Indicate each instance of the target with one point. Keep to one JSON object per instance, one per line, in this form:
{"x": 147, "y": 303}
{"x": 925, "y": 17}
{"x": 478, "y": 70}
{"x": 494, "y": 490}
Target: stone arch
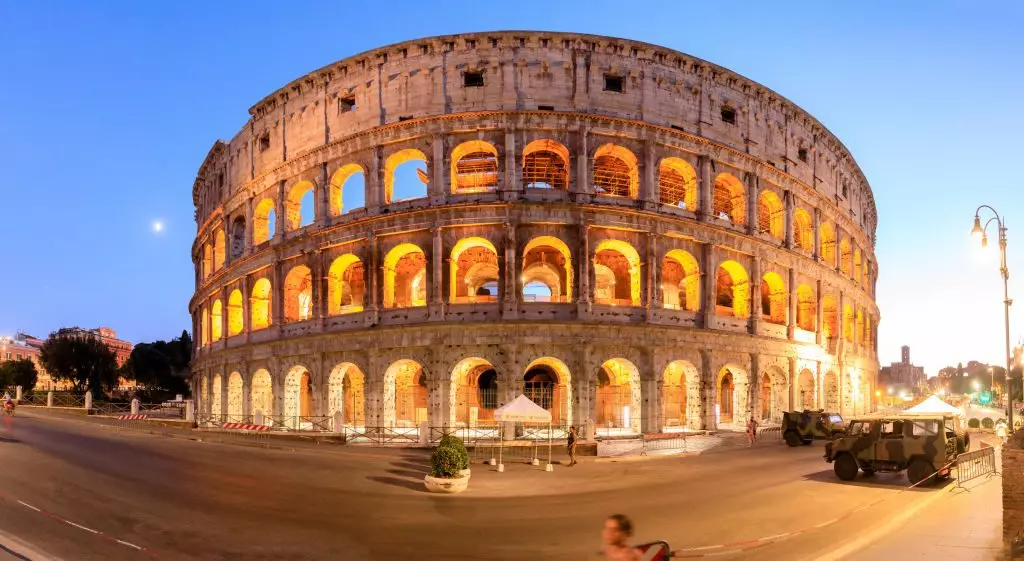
{"x": 774, "y": 298}
{"x": 829, "y": 317}
{"x": 204, "y": 326}
{"x": 343, "y": 182}
{"x": 207, "y": 264}
{"x": 617, "y": 403}
{"x": 298, "y": 397}
{"x": 546, "y": 165}
{"x": 235, "y": 397}
{"x": 346, "y": 394}
{"x": 857, "y": 266}
{"x": 848, "y": 323}
{"x": 620, "y": 286}
{"x": 830, "y": 387}
{"x": 405, "y": 283}
{"x": 474, "y": 167}
{"x": 806, "y": 308}
{"x": 828, "y": 243}
{"x": 218, "y": 249}
{"x": 803, "y": 230}
{"x": 405, "y": 399}
{"x": 346, "y": 285}
{"x": 731, "y": 391}
{"x": 732, "y": 290}
{"x": 237, "y": 237}
{"x": 547, "y": 381}
{"x": 680, "y": 281}
{"x": 204, "y": 393}
{"x": 616, "y": 172}
{"x": 264, "y": 221}
{"x": 860, "y": 326}
{"x": 771, "y": 215}
{"x": 729, "y": 200}
{"x": 392, "y": 164}
{"x": 772, "y": 394}
{"x": 547, "y": 259}
{"x": 259, "y": 305}
{"x": 473, "y": 392}
{"x": 236, "y": 313}
{"x": 216, "y": 404}
{"x": 846, "y": 258}
{"x": 216, "y": 319}
{"x": 298, "y": 294}
{"x": 300, "y": 194}
{"x": 261, "y": 395}
{"x": 680, "y": 395}
{"x": 474, "y": 273}
{"x": 677, "y": 184}
{"x": 805, "y": 386}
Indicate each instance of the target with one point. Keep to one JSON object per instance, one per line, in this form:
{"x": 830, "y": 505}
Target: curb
{"x": 21, "y": 550}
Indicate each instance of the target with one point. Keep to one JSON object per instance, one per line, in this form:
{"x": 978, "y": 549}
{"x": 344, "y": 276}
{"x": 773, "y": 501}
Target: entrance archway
{"x": 345, "y": 393}
{"x": 405, "y": 394}
{"x": 262, "y": 395}
{"x": 772, "y": 394}
{"x": 680, "y": 396}
{"x": 831, "y": 389}
{"x": 548, "y": 383}
{"x": 473, "y": 392}
{"x": 216, "y": 406}
{"x": 298, "y": 397}
{"x": 235, "y": 398}
{"x": 806, "y": 385}
{"x": 732, "y": 386}
{"x": 617, "y": 399}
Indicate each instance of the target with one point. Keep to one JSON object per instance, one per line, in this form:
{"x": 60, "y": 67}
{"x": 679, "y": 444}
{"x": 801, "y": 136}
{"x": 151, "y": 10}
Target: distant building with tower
{"x": 903, "y": 372}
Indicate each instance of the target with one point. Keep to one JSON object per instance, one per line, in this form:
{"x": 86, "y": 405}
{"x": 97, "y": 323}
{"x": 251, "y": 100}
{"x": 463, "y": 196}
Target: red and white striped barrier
{"x": 244, "y": 426}
{"x": 133, "y": 417}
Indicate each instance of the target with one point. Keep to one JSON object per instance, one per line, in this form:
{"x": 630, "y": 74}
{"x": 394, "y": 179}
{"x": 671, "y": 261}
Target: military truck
{"x": 802, "y": 427}
{"x": 924, "y": 445}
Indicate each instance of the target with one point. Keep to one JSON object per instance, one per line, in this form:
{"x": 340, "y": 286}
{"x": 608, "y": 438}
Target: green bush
{"x": 987, "y": 423}
{"x": 445, "y": 462}
{"x": 973, "y": 423}
{"x": 456, "y": 444}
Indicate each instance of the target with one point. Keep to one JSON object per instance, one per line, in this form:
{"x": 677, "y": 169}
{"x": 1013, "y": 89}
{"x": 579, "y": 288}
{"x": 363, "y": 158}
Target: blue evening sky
{"x": 108, "y": 108}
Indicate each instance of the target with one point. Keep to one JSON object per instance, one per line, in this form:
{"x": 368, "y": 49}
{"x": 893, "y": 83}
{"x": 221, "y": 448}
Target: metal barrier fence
{"x": 971, "y": 465}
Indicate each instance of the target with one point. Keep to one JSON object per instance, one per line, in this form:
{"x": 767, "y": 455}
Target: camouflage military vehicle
{"x": 802, "y": 427}
{"x": 924, "y": 445}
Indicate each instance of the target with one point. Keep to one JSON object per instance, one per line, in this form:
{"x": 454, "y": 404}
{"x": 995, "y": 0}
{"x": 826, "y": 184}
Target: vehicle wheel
{"x": 963, "y": 442}
{"x": 868, "y": 471}
{"x": 792, "y": 438}
{"x": 919, "y": 471}
{"x": 845, "y": 467}
{"x": 807, "y": 441}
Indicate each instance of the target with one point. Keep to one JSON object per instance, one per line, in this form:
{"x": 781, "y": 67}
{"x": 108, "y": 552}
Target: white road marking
{"x": 79, "y": 526}
{"x": 29, "y": 506}
{"x": 122, "y": 542}
{"x": 827, "y": 522}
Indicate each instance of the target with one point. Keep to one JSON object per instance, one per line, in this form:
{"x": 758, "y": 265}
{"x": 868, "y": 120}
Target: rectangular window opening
{"x": 265, "y": 143}
{"x": 346, "y": 104}
{"x": 612, "y": 83}
{"x": 545, "y": 108}
{"x": 405, "y": 118}
{"x": 729, "y": 115}
{"x": 473, "y": 79}
{"x": 802, "y": 154}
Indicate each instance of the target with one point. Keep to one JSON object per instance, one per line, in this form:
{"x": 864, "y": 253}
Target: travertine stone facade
{"x": 635, "y": 237}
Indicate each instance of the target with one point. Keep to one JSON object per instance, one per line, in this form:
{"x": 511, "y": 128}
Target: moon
{"x": 158, "y": 226}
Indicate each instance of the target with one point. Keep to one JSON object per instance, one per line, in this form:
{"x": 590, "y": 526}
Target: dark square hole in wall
{"x": 264, "y": 143}
{"x": 545, "y": 108}
{"x": 405, "y": 118}
{"x": 473, "y": 79}
{"x": 729, "y": 115}
{"x": 802, "y": 154}
{"x": 845, "y": 191}
{"x": 613, "y": 83}
{"x": 346, "y": 104}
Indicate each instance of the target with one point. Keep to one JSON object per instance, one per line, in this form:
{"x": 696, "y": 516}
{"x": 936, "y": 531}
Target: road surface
{"x": 76, "y": 490}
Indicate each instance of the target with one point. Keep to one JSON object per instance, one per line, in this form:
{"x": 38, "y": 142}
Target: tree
{"x": 21, "y": 372}
{"x": 161, "y": 367}
{"x": 84, "y": 361}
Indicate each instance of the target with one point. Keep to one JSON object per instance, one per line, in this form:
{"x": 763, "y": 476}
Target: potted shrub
{"x": 460, "y": 448}
{"x": 447, "y": 464}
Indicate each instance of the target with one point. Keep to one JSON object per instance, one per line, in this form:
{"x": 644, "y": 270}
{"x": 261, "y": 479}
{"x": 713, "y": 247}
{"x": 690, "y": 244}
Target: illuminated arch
{"x": 772, "y": 393}
{"x": 207, "y": 263}
{"x": 615, "y": 172}
{"x": 846, "y": 258}
{"x": 298, "y": 294}
{"x": 732, "y": 384}
{"x": 261, "y": 395}
{"x": 474, "y": 167}
{"x": 548, "y": 383}
{"x": 829, "y": 317}
{"x": 860, "y": 326}
{"x": 729, "y": 201}
{"x": 803, "y": 230}
{"x": 617, "y": 398}
{"x": 623, "y": 261}
{"x": 218, "y": 249}
{"x": 771, "y": 215}
{"x": 204, "y": 393}
{"x": 217, "y": 403}
{"x": 773, "y": 298}
{"x": 259, "y": 305}
{"x": 474, "y": 271}
{"x": 345, "y": 394}
{"x": 547, "y": 259}
{"x": 293, "y": 204}
{"x": 216, "y": 320}
{"x": 732, "y": 290}
{"x": 680, "y": 281}
{"x": 237, "y": 237}
{"x": 680, "y": 395}
{"x": 546, "y": 165}
{"x": 405, "y": 394}
{"x": 828, "y": 243}
{"x": 346, "y": 286}
{"x": 473, "y": 393}
{"x": 805, "y": 385}
{"x": 677, "y": 184}
{"x": 857, "y": 266}
{"x": 235, "y": 398}
{"x": 831, "y": 391}
{"x": 263, "y": 221}
{"x": 806, "y": 305}
{"x": 404, "y": 279}
{"x": 298, "y": 397}
{"x": 397, "y": 159}
{"x": 236, "y": 313}
{"x": 336, "y": 189}
{"x": 204, "y": 326}
{"x": 848, "y": 323}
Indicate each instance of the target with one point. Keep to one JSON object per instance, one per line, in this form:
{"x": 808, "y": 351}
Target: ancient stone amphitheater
{"x": 637, "y": 239}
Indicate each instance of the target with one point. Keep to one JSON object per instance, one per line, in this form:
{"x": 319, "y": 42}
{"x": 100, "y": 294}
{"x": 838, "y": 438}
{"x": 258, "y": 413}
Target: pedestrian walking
{"x": 751, "y": 432}
{"x": 571, "y": 445}
{"x": 1001, "y": 431}
{"x": 618, "y": 528}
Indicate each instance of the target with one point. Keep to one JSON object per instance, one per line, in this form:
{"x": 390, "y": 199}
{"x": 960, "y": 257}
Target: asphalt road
{"x": 75, "y": 490}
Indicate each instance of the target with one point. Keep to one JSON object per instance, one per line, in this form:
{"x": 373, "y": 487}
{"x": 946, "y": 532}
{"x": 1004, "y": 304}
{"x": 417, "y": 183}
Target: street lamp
{"x": 977, "y": 230}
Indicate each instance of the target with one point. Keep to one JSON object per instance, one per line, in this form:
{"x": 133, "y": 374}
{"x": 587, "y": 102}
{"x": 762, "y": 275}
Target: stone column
{"x": 584, "y": 269}
{"x": 224, "y": 317}
{"x": 511, "y": 186}
{"x": 373, "y": 186}
{"x": 280, "y": 213}
{"x": 510, "y": 285}
{"x": 372, "y": 281}
{"x": 840, "y": 313}
{"x": 755, "y": 294}
{"x": 790, "y": 209}
{"x": 650, "y": 400}
{"x": 582, "y": 163}
{"x": 817, "y": 234}
{"x": 277, "y": 298}
{"x": 838, "y": 253}
{"x": 708, "y": 392}
{"x": 709, "y": 270}
{"x": 794, "y": 384}
{"x": 319, "y": 291}
{"x": 246, "y": 308}
{"x": 436, "y": 276}
{"x": 247, "y": 244}
{"x": 705, "y": 208}
{"x": 649, "y": 188}
{"x": 321, "y": 199}
{"x": 439, "y": 186}
{"x": 819, "y": 314}
{"x": 246, "y": 391}
{"x": 753, "y": 192}
{"x": 653, "y": 297}
{"x": 793, "y": 302}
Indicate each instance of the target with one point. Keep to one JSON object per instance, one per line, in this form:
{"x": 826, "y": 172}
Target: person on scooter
{"x": 8, "y": 402}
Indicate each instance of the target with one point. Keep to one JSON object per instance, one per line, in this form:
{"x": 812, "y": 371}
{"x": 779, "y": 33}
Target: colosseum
{"x": 636, "y": 239}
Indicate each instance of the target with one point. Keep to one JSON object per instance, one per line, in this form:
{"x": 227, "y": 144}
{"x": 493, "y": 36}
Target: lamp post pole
{"x": 1005, "y": 273}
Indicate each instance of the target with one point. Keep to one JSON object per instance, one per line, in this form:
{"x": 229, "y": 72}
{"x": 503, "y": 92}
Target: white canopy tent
{"x": 522, "y": 410}
{"x": 933, "y": 405}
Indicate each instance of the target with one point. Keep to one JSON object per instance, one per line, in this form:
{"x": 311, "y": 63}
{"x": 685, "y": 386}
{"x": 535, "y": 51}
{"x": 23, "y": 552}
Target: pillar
{"x": 841, "y": 314}
{"x": 753, "y": 192}
{"x": 653, "y": 296}
{"x": 49, "y": 399}
{"x": 709, "y": 268}
{"x": 436, "y": 299}
{"x": 791, "y": 330}
{"x": 280, "y": 213}
{"x": 319, "y": 288}
{"x": 790, "y": 209}
{"x": 439, "y": 178}
{"x": 817, "y": 234}
{"x": 373, "y": 187}
{"x": 88, "y": 400}
{"x": 511, "y": 186}
{"x": 373, "y": 274}
{"x": 705, "y": 208}
{"x": 649, "y": 177}
{"x": 246, "y": 309}
{"x": 755, "y": 294}
{"x": 584, "y": 268}
{"x": 819, "y": 314}
{"x": 248, "y": 242}
{"x": 650, "y": 402}
{"x": 582, "y": 163}
{"x": 510, "y": 286}
{"x": 277, "y": 298}
{"x": 321, "y": 202}
{"x": 708, "y": 392}
{"x": 794, "y": 385}
{"x": 134, "y": 406}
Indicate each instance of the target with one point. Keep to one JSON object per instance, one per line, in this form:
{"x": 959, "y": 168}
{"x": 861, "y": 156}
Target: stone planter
{"x": 445, "y": 485}
{"x": 465, "y": 473}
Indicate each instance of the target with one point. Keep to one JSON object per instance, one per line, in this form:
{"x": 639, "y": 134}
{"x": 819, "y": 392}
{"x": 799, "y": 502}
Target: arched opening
{"x": 680, "y": 281}
{"x": 298, "y": 294}
{"x": 677, "y": 184}
{"x": 216, "y": 320}
{"x": 474, "y": 271}
{"x": 846, "y": 258}
{"x": 803, "y": 230}
{"x": 298, "y": 206}
{"x": 848, "y": 323}
{"x": 771, "y": 215}
{"x": 617, "y": 399}
{"x": 546, "y": 165}
{"x": 237, "y": 237}
{"x": 860, "y": 326}
{"x": 216, "y": 403}
{"x": 806, "y": 385}
{"x": 346, "y": 285}
{"x": 617, "y": 274}
{"x": 474, "y": 167}
{"x": 235, "y": 398}
{"x": 806, "y": 311}
{"x": 207, "y": 264}
{"x": 473, "y": 392}
{"x": 829, "y": 317}
{"x": 857, "y": 266}
{"x": 726, "y": 396}
{"x": 236, "y": 318}
{"x": 204, "y": 394}
{"x": 405, "y": 394}
{"x": 405, "y": 285}
{"x": 548, "y": 383}
{"x": 259, "y": 305}
{"x": 773, "y": 394}
{"x": 262, "y": 396}
{"x": 345, "y": 389}
{"x": 347, "y": 190}
{"x": 547, "y": 261}
{"x": 732, "y": 290}
{"x": 204, "y": 327}
{"x": 766, "y": 400}
{"x": 298, "y": 398}
{"x": 828, "y": 243}
{"x": 680, "y": 396}
{"x": 218, "y": 249}
{"x": 263, "y": 221}
{"x": 773, "y": 298}
{"x": 831, "y": 389}
{"x": 615, "y": 172}
{"x": 729, "y": 200}
{"x": 405, "y": 176}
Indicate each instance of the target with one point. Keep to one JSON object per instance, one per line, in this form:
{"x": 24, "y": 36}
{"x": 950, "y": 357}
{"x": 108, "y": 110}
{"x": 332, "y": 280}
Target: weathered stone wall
{"x": 1013, "y": 496}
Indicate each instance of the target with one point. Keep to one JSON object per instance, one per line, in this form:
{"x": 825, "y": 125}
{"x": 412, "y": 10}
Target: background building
{"x": 903, "y": 372}
{"x": 122, "y": 349}
{"x": 23, "y": 346}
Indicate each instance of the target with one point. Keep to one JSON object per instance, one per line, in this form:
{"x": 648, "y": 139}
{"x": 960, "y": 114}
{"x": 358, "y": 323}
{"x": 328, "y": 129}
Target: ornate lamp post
{"x": 978, "y": 229}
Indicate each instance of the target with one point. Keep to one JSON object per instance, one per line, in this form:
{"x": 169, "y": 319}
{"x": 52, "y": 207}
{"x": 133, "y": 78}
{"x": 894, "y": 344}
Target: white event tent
{"x": 522, "y": 410}
{"x": 933, "y": 405}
